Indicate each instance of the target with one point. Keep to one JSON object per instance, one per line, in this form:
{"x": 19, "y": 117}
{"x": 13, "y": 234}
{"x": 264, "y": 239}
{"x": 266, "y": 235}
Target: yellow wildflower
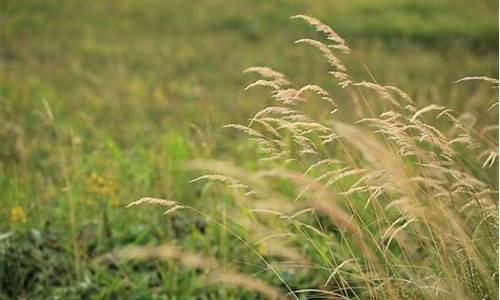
{"x": 17, "y": 214}
{"x": 101, "y": 186}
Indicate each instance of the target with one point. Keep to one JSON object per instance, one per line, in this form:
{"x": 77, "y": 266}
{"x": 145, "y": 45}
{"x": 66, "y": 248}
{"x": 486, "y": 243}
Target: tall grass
{"x": 400, "y": 204}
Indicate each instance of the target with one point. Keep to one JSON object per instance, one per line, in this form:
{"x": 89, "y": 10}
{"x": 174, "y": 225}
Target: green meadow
{"x": 105, "y": 102}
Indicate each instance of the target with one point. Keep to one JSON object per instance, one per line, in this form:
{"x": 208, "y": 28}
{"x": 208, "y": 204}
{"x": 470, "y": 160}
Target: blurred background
{"x": 102, "y": 102}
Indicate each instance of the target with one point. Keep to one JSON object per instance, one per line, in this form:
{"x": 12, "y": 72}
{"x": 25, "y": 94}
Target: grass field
{"x": 102, "y": 103}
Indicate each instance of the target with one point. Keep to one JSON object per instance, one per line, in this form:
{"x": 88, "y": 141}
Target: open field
{"x": 102, "y": 103}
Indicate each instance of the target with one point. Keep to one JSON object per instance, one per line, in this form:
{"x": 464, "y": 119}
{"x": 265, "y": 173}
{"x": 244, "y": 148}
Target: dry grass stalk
{"x": 328, "y": 31}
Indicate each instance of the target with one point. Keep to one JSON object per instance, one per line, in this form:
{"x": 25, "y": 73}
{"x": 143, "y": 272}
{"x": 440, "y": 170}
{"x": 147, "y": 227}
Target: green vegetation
{"x": 102, "y": 103}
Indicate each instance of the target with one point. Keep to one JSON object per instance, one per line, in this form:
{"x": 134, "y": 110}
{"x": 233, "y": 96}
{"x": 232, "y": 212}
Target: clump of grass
{"x": 400, "y": 204}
